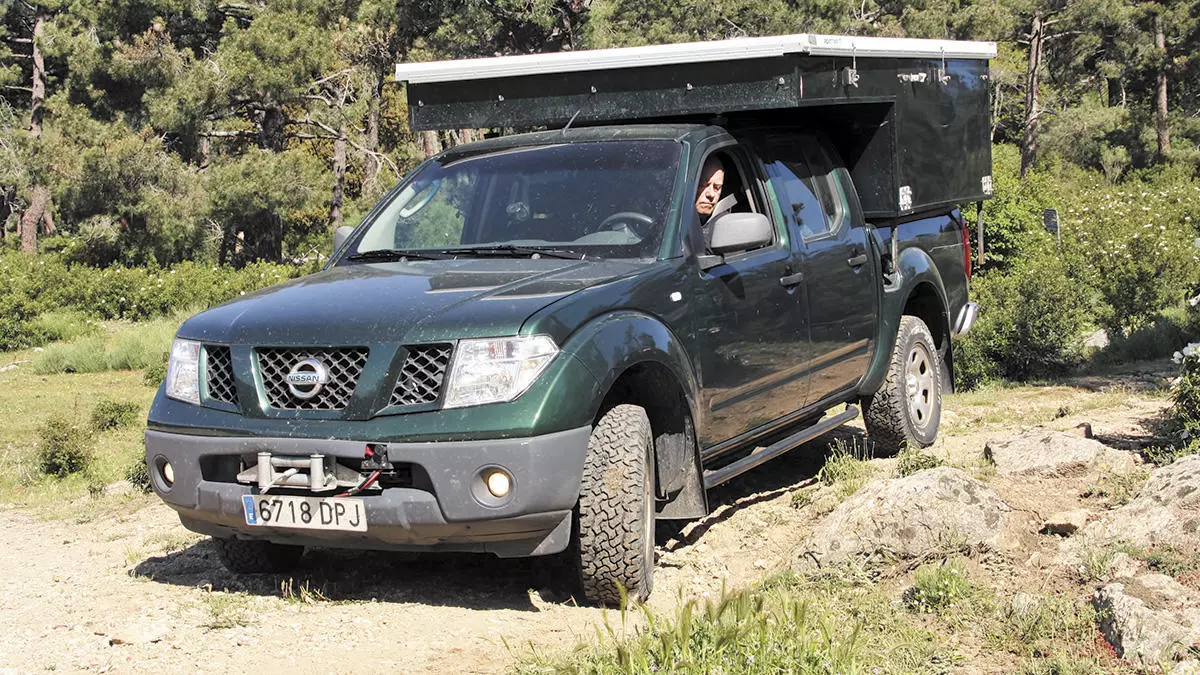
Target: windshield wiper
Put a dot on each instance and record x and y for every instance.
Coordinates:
(511, 249)
(397, 254)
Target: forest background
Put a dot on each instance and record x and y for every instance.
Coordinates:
(157, 155)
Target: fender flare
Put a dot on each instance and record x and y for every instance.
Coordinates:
(609, 346)
(916, 269)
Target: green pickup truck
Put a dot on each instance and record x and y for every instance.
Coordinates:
(542, 343)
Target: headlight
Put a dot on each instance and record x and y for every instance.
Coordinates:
(183, 371)
(496, 370)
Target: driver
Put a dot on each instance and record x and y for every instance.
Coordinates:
(712, 181)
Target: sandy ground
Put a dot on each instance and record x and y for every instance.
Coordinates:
(131, 591)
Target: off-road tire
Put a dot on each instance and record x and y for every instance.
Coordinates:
(612, 545)
(255, 557)
(893, 421)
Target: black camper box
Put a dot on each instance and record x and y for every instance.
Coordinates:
(910, 117)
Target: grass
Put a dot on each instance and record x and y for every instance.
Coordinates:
(1116, 488)
(846, 468)
(841, 623)
(913, 460)
(30, 400)
(937, 587)
(124, 347)
(225, 610)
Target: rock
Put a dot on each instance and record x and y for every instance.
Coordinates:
(1123, 565)
(937, 509)
(1186, 668)
(1165, 511)
(1066, 523)
(1054, 454)
(1148, 619)
(1023, 604)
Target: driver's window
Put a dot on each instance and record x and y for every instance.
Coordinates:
(723, 186)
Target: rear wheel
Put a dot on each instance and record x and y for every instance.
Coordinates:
(254, 557)
(613, 542)
(907, 409)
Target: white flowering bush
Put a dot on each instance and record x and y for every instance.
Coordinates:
(1134, 244)
(1183, 426)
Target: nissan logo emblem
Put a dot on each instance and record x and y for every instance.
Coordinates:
(307, 378)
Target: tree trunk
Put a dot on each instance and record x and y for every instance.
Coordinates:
(339, 177)
(432, 145)
(371, 143)
(205, 152)
(38, 194)
(1032, 77)
(273, 137)
(36, 106)
(1163, 122)
(38, 197)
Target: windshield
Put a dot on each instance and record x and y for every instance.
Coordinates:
(599, 199)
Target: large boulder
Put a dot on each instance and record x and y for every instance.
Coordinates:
(1054, 454)
(1149, 619)
(934, 510)
(1165, 512)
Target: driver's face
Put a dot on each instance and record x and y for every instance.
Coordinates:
(710, 191)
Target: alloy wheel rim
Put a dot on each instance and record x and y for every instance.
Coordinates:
(919, 386)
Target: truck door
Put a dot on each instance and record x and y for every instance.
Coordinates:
(842, 284)
(751, 334)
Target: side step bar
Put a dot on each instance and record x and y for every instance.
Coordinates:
(726, 473)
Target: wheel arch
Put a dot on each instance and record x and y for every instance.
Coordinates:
(638, 360)
(921, 293)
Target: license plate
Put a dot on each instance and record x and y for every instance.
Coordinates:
(307, 513)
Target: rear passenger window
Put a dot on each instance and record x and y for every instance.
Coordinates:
(800, 205)
(827, 185)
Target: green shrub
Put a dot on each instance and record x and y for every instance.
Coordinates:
(1133, 244)
(938, 586)
(63, 325)
(33, 285)
(110, 414)
(137, 473)
(132, 347)
(913, 460)
(1031, 324)
(63, 448)
(1183, 418)
(1157, 339)
(157, 372)
(846, 467)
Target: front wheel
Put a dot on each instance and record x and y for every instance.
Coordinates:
(613, 541)
(907, 409)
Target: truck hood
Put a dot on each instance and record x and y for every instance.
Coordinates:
(401, 302)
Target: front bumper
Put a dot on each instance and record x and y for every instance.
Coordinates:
(443, 515)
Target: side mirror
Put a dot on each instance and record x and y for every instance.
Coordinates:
(340, 236)
(733, 232)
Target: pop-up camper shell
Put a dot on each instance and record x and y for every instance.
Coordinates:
(910, 117)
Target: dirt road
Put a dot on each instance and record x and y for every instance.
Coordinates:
(129, 590)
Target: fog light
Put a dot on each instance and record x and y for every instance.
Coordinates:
(168, 472)
(498, 483)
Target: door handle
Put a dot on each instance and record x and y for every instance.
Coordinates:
(858, 260)
(791, 279)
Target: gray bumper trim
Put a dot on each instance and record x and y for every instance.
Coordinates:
(534, 520)
(966, 318)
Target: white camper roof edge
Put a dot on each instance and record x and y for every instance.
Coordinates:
(691, 52)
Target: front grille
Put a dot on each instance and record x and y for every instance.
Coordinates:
(421, 377)
(344, 367)
(219, 374)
